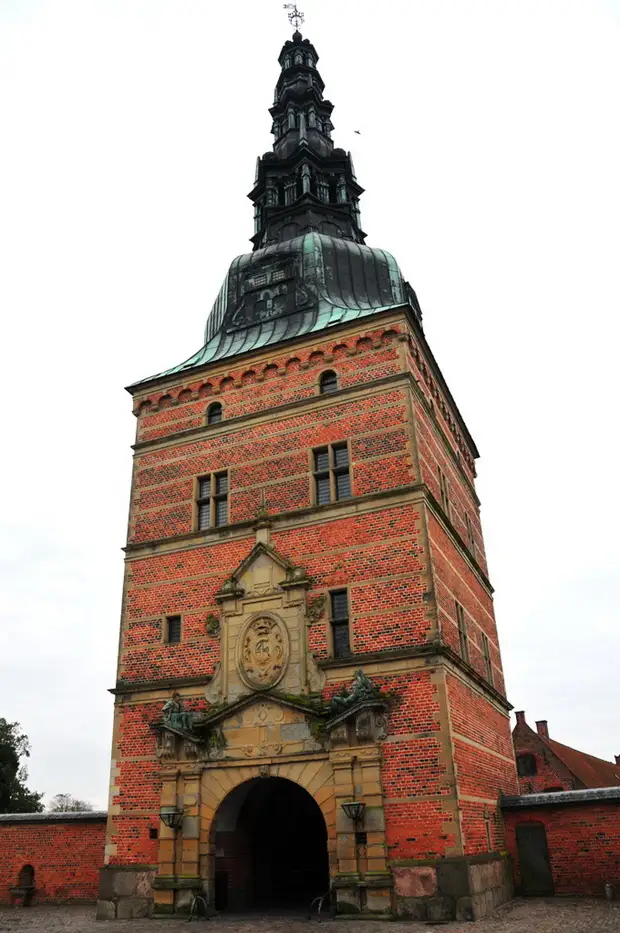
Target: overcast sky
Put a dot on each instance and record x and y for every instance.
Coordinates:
(490, 150)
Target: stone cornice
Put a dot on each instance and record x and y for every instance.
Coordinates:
(295, 517)
(432, 651)
(166, 683)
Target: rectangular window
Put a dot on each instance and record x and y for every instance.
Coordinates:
(487, 659)
(460, 618)
(443, 486)
(332, 479)
(212, 500)
(339, 602)
(173, 630)
(470, 535)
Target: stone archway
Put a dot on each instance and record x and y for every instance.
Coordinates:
(227, 792)
(269, 840)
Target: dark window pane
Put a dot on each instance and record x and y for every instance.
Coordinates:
(321, 460)
(343, 485)
(329, 382)
(221, 483)
(322, 490)
(174, 630)
(203, 515)
(342, 644)
(341, 455)
(204, 488)
(526, 765)
(214, 415)
(340, 604)
(221, 512)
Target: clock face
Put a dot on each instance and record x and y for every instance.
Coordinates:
(268, 291)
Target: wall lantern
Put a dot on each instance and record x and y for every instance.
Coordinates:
(172, 817)
(354, 810)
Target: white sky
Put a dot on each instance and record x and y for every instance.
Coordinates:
(490, 151)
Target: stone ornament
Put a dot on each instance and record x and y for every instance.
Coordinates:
(262, 652)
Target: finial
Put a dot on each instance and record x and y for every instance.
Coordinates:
(295, 16)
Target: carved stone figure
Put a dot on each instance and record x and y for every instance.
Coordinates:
(175, 716)
(263, 652)
(361, 689)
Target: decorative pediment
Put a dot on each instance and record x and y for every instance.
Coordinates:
(263, 572)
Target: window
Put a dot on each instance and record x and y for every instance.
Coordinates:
(212, 500)
(470, 535)
(339, 602)
(173, 630)
(332, 480)
(526, 765)
(214, 413)
(443, 485)
(487, 658)
(460, 618)
(328, 382)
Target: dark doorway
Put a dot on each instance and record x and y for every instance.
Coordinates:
(270, 847)
(536, 877)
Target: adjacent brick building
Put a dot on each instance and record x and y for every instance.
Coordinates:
(546, 765)
(307, 619)
(61, 852)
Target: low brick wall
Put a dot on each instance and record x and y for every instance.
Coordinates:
(65, 850)
(583, 838)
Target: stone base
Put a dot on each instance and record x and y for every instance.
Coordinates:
(460, 888)
(366, 895)
(125, 892)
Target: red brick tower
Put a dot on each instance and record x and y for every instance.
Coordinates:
(310, 692)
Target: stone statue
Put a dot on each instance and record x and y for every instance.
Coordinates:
(175, 716)
(361, 689)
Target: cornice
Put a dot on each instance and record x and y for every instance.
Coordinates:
(432, 651)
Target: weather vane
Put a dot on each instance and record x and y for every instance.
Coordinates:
(295, 16)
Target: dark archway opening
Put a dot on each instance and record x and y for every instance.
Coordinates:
(270, 847)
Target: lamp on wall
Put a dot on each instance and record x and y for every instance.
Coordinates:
(172, 817)
(354, 810)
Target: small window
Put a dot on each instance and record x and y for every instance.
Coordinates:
(173, 630)
(339, 602)
(328, 382)
(526, 765)
(214, 413)
(332, 478)
(488, 666)
(153, 834)
(463, 639)
(470, 535)
(443, 485)
(212, 500)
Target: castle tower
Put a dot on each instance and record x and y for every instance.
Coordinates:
(309, 690)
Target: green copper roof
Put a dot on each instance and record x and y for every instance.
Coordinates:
(300, 286)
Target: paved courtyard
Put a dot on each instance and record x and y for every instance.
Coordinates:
(536, 916)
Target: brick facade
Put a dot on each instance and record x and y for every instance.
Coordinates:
(66, 852)
(404, 557)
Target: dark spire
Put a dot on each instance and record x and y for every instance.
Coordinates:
(305, 184)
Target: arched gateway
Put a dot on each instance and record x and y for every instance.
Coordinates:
(269, 840)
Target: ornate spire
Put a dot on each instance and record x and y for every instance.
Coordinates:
(305, 184)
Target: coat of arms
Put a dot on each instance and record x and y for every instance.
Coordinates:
(263, 652)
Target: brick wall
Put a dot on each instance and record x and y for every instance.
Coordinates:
(66, 855)
(550, 771)
(403, 557)
(583, 842)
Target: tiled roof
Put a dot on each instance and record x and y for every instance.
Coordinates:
(591, 771)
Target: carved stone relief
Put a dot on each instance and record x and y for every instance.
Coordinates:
(262, 652)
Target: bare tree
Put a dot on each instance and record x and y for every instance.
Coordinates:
(65, 803)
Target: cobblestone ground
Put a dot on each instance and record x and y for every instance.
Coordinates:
(537, 916)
